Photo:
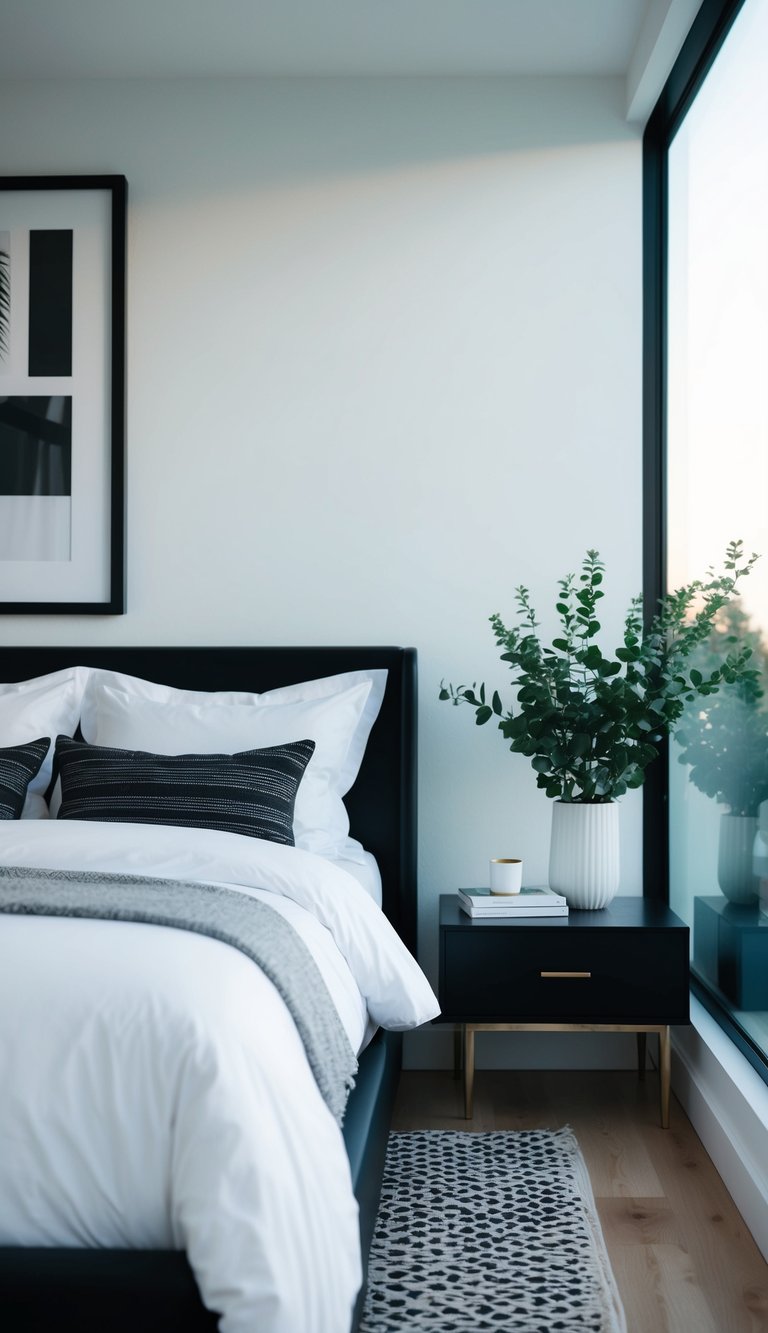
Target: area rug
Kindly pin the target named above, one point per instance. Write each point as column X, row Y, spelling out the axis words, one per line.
column 489, row 1232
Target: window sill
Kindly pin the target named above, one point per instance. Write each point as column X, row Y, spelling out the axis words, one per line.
column 727, row 1103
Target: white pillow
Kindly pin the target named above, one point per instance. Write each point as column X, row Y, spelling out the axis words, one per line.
column 328, row 685
column 46, row 706
column 320, row 823
column 322, row 688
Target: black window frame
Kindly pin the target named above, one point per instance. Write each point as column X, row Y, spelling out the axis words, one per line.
column 708, row 32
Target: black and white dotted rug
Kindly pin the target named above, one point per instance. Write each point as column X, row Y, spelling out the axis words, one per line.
column 494, row 1232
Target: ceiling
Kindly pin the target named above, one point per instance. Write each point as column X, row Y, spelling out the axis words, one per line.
column 196, row 38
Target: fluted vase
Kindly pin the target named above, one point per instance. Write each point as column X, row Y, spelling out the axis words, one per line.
column 735, row 868
column 584, row 852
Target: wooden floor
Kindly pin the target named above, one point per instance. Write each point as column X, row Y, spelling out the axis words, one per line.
column 683, row 1258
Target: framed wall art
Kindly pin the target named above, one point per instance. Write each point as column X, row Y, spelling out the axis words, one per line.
column 62, row 394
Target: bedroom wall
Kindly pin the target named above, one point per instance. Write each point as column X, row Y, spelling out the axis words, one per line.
column 384, row 359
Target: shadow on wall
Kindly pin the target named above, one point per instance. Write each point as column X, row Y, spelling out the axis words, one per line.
column 255, row 132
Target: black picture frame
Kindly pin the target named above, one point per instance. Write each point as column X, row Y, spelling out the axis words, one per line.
column 62, row 393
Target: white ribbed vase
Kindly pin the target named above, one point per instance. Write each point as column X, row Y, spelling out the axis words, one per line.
column 735, row 869
column 584, row 852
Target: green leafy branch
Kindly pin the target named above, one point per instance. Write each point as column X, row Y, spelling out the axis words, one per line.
column 591, row 724
column 724, row 740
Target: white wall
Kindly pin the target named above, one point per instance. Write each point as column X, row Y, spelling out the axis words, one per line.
column 384, row 363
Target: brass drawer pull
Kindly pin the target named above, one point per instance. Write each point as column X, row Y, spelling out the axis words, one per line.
column 565, row 974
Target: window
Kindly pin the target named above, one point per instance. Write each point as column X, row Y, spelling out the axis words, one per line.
column 707, row 436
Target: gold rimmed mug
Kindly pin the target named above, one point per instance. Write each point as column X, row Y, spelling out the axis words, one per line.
column 506, row 874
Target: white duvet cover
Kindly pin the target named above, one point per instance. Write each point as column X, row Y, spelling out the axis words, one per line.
column 154, row 1091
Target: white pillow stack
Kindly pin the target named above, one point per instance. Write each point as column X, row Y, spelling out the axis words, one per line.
column 336, row 712
column 125, row 712
column 46, row 706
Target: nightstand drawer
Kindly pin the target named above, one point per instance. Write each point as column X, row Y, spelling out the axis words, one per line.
column 534, row 975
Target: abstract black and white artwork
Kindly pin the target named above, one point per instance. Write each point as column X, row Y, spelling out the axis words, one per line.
column 62, row 352
column 36, row 478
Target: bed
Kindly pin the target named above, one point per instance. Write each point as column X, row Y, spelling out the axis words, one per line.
column 119, row 1287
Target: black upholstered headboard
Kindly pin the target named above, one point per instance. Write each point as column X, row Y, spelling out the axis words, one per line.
column 382, row 803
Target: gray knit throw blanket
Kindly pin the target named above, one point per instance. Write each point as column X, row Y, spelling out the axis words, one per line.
column 247, row 924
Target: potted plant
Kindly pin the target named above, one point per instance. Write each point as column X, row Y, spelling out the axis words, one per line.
column 724, row 740
column 591, row 724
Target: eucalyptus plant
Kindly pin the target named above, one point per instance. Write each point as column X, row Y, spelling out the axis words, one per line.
column 724, row 740
column 589, row 723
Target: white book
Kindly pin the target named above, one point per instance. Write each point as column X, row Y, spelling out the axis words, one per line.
column 480, row 914
column 535, row 896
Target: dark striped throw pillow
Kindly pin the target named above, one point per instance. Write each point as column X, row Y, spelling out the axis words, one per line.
column 19, row 764
column 252, row 792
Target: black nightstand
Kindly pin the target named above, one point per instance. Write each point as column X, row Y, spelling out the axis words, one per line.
column 621, row 969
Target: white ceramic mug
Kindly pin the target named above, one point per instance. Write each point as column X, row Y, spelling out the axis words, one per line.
column 506, row 874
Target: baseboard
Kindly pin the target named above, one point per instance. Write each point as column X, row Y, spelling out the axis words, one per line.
column 727, row 1104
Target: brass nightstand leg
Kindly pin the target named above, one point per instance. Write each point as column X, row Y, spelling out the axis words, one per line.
column 665, row 1051
column 641, row 1049
column 458, row 1043
column 469, row 1069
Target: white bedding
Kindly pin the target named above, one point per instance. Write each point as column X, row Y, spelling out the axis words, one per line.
column 154, row 1092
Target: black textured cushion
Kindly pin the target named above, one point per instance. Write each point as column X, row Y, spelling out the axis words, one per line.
column 252, row 792
column 19, row 764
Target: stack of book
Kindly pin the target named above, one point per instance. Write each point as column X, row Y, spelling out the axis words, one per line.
column 482, row 905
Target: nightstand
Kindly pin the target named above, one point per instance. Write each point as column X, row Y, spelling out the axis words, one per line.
column 730, row 949
column 621, row 969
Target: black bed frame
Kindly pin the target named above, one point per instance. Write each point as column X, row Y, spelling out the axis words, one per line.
column 138, row 1291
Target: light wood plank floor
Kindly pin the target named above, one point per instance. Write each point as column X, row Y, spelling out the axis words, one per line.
column 684, row 1260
